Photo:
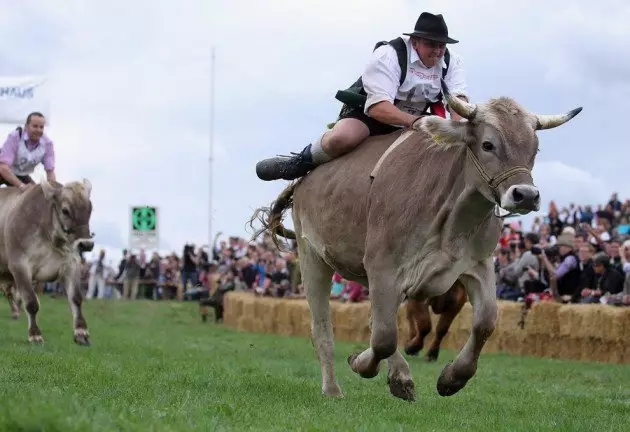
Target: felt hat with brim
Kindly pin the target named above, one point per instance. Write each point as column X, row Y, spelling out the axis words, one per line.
column 432, row 27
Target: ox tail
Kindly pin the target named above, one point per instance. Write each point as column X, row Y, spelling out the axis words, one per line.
column 271, row 217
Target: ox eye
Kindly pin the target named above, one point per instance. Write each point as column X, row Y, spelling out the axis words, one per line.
column 65, row 212
column 487, row 146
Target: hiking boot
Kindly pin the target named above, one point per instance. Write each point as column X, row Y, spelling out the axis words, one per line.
column 286, row 167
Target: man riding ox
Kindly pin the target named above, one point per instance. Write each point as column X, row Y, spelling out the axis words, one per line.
column 411, row 213
column 400, row 84
column 23, row 150
column 42, row 230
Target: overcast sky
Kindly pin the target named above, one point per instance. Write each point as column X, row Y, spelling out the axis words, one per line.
column 130, row 85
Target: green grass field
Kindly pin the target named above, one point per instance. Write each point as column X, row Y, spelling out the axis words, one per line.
column 156, row 366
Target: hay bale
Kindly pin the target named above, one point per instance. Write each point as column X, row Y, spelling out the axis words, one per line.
column 579, row 332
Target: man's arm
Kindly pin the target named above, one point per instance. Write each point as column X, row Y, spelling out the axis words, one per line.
column 381, row 81
column 49, row 162
column 7, row 156
column 7, row 174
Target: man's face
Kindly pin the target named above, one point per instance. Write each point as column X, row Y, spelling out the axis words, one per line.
column 565, row 250
column 599, row 268
column 35, row 128
column 612, row 249
column 430, row 52
column 585, row 253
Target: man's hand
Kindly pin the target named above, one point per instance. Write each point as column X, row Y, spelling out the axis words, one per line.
column 25, row 186
column 415, row 125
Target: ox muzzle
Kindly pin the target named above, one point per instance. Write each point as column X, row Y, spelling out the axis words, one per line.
column 521, row 198
column 84, row 245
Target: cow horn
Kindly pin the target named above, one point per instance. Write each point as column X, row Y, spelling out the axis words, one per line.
column 544, row 121
column 461, row 107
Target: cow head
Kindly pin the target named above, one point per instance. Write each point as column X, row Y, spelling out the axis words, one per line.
column 501, row 142
column 72, row 210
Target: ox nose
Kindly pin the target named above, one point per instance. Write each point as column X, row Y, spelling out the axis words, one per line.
column 86, row 246
column 521, row 197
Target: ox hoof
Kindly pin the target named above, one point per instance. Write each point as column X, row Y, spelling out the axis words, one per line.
column 15, row 316
column 36, row 340
column 81, row 337
column 352, row 359
column 448, row 384
column 413, row 350
column 431, row 357
column 402, row 388
column 332, row 391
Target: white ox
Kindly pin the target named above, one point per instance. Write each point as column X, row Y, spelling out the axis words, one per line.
column 41, row 232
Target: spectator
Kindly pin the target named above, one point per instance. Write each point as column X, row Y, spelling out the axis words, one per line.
column 131, row 278
column 97, row 276
column 608, row 280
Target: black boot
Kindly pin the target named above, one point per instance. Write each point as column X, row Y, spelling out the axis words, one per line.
column 286, row 167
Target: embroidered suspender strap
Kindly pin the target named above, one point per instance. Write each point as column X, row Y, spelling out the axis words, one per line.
column 395, row 144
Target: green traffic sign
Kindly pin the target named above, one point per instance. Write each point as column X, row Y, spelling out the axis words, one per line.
column 143, row 218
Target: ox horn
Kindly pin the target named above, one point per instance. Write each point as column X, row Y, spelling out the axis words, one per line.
column 461, row 107
column 544, row 121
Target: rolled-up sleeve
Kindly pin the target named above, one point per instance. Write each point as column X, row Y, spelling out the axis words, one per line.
column 456, row 77
column 569, row 263
column 381, row 76
column 49, row 157
column 9, row 149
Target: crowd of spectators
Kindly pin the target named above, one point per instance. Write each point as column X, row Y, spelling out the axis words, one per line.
column 572, row 255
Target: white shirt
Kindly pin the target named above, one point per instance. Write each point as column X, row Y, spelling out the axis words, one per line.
column 381, row 79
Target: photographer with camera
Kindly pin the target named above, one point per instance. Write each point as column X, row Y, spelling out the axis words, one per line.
column 565, row 278
column 525, row 269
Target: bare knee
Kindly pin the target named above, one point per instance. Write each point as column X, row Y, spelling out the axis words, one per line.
column 345, row 137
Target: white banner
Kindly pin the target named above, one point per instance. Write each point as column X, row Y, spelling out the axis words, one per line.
column 21, row 95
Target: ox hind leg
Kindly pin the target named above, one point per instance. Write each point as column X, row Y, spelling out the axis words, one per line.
column 447, row 306
column 481, row 290
column 419, row 322
column 317, row 280
column 14, row 300
column 24, row 287
column 71, row 285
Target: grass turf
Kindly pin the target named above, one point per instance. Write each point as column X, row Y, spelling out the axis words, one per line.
column 155, row 366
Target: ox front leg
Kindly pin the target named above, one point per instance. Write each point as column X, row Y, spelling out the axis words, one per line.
column 75, row 299
column 385, row 301
column 399, row 378
column 480, row 286
column 24, row 287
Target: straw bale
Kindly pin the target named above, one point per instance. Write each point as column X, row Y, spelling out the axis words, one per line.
column 579, row 332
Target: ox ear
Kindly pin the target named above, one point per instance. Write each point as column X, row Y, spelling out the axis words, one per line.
column 49, row 189
column 445, row 133
column 87, row 186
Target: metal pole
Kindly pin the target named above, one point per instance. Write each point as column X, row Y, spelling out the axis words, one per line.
column 211, row 151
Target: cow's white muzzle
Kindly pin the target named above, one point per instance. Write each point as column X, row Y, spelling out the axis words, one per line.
column 521, row 199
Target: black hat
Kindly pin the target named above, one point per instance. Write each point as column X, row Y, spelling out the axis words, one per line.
column 431, row 27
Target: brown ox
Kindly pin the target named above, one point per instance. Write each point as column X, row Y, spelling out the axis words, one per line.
column 41, row 231
column 425, row 220
column 447, row 306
